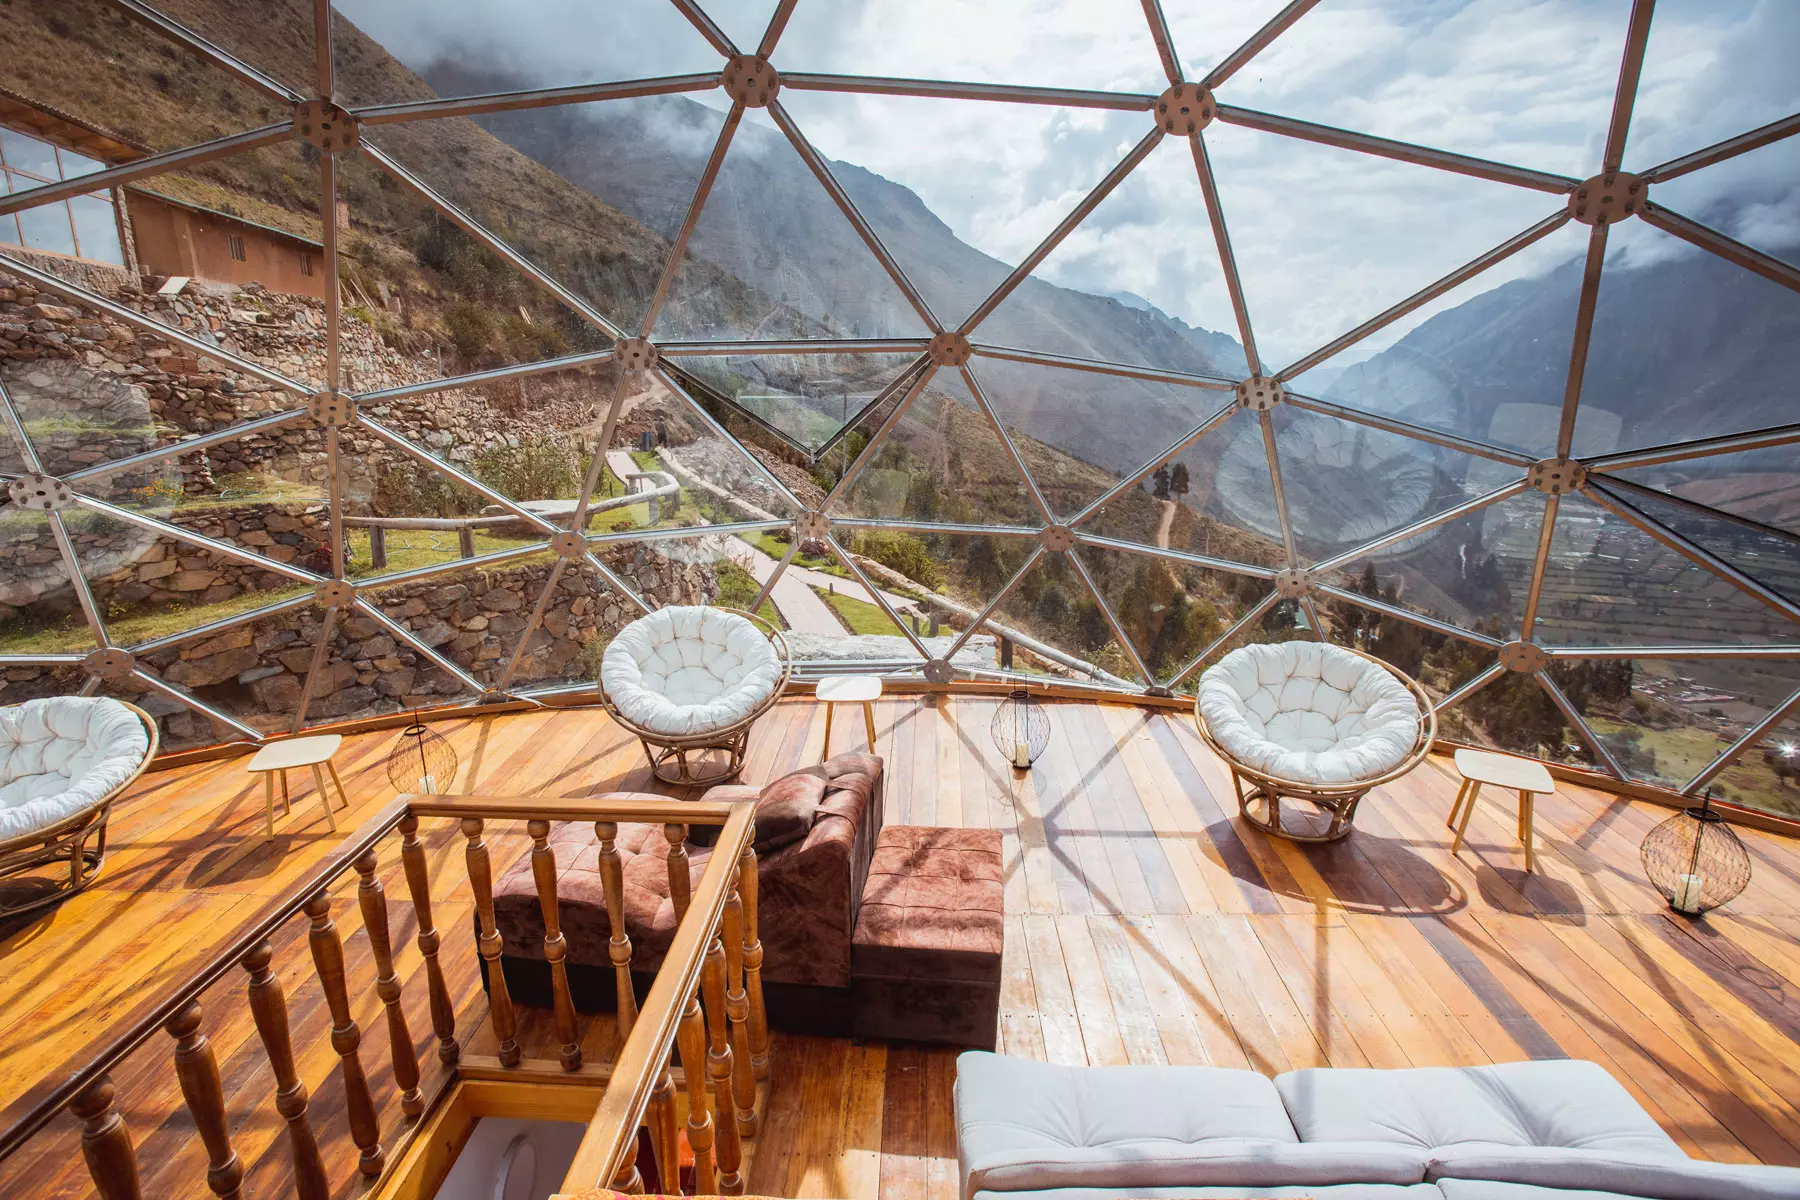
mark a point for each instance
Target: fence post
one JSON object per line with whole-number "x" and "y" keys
{"x": 465, "y": 541}
{"x": 377, "y": 547}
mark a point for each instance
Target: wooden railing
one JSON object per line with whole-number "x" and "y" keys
{"x": 706, "y": 999}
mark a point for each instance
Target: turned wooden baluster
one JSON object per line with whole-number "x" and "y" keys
{"x": 268, "y": 1005}
{"x": 718, "y": 1065}
{"x": 371, "y": 897}
{"x": 753, "y": 956}
{"x": 556, "y": 947}
{"x": 680, "y": 886}
{"x": 500, "y": 1006}
{"x": 737, "y": 1013}
{"x": 692, "y": 1038}
{"x": 618, "y": 948}
{"x": 418, "y": 884}
{"x": 665, "y": 1131}
{"x": 106, "y": 1143}
{"x": 626, "y": 1178}
{"x": 197, "y": 1069}
{"x": 346, "y": 1037}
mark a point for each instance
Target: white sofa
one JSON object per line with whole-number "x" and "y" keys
{"x": 1547, "y": 1130}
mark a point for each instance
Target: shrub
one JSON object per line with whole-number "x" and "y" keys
{"x": 900, "y": 552}
{"x": 540, "y": 467}
{"x": 523, "y": 341}
{"x": 470, "y": 328}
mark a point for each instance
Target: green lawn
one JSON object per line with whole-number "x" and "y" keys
{"x": 859, "y": 616}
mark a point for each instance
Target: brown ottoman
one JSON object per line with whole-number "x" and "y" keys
{"x": 925, "y": 961}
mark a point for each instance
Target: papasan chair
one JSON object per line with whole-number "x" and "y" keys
{"x": 1311, "y": 722}
{"x": 63, "y": 759}
{"x": 689, "y": 682}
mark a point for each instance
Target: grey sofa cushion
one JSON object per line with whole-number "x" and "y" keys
{"x": 1023, "y": 1125}
{"x": 1487, "y": 1189}
{"x": 1561, "y": 1102}
{"x": 1333, "y": 1191}
{"x": 1650, "y": 1177}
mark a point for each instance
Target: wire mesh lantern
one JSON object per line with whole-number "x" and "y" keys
{"x": 421, "y": 762}
{"x": 1021, "y": 729}
{"x": 1696, "y": 860}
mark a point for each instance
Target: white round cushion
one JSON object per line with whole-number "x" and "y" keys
{"x": 683, "y": 670}
{"x": 60, "y": 755}
{"x": 1309, "y": 712}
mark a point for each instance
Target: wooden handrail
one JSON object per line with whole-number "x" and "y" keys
{"x": 613, "y": 1131}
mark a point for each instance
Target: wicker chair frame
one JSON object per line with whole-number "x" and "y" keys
{"x": 67, "y": 840}
{"x": 669, "y": 754}
{"x": 1259, "y": 795}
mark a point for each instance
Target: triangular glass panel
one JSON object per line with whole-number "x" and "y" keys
{"x": 585, "y": 610}
{"x": 1322, "y": 243}
{"x": 1685, "y": 345}
{"x": 1748, "y": 198}
{"x": 1138, "y": 281}
{"x": 1439, "y": 662}
{"x": 1347, "y": 484}
{"x": 389, "y": 53}
{"x": 972, "y": 189}
{"x": 1516, "y": 715}
{"x": 1205, "y": 33}
{"x": 22, "y": 682}
{"x": 770, "y": 226}
{"x": 132, "y": 89}
{"x": 726, "y": 466}
{"x": 1608, "y": 583}
{"x": 1064, "y": 633}
{"x": 40, "y": 612}
{"x": 1073, "y": 45}
{"x": 1755, "y": 484}
{"x": 1472, "y": 572}
{"x": 1282, "y": 621}
{"x": 565, "y": 186}
{"x": 1081, "y": 432}
{"x": 1766, "y": 775}
{"x": 1213, "y": 499}
{"x": 1470, "y": 79}
{"x": 1487, "y": 361}
{"x": 1708, "y": 75}
{"x": 1170, "y": 610}
{"x": 943, "y": 464}
{"x": 1772, "y": 559}
{"x": 807, "y": 398}
{"x": 1666, "y": 719}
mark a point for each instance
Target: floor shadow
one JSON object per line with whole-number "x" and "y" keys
{"x": 1367, "y": 872}
{"x": 1550, "y": 899}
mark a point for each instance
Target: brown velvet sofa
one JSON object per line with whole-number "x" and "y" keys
{"x": 816, "y": 834}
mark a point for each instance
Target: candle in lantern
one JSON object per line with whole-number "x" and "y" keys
{"x": 1021, "y": 756}
{"x": 1687, "y": 892}
{"x": 428, "y": 785}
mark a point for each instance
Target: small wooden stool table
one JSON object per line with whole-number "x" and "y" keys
{"x": 849, "y": 689}
{"x": 278, "y": 758}
{"x": 1526, "y": 776}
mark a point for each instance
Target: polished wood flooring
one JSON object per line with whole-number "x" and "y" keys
{"x": 1145, "y": 924}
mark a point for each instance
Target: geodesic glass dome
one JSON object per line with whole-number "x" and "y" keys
{"x": 397, "y": 353}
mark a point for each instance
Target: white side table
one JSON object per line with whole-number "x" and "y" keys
{"x": 278, "y": 758}
{"x": 1526, "y": 776}
{"x": 849, "y": 689}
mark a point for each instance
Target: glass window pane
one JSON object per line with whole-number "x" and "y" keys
{"x": 47, "y": 227}
{"x": 25, "y": 153}
{"x": 74, "y": 164}
{"x": 96, "y": 229}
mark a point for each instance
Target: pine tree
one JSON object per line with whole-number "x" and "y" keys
{"x": 1161, "y": 482}
{"x": 1178, "y": 481}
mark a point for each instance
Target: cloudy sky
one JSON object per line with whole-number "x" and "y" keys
{"x": 1324, "y": 238}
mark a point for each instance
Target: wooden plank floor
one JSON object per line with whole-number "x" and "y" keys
{"x": 1144, "y": 924}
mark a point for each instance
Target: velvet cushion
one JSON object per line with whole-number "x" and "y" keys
{"x": 934, "y": 906}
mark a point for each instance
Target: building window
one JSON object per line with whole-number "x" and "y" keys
{"x": 237, "y": 246}
{"x": 83, "y": 227}
{"x": 305, "y": 263}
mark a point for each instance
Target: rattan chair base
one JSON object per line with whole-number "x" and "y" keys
{"x": 67, "y": 842}
{"x": 1271, "y": 820}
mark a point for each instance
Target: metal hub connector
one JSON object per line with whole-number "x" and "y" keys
{"x": 750, "y": 81}
{"x": 1056, "y": 538}
{"x": 1185, "y": 109}
{"x": 335, "y": 593}
{"x": 1293, "y": 582}
{"x": 568, "y": 544}
{"x": 1524, "y": 657}
{"x": 332, "y": 409}
{"x": 328, "y": 126}
{"x": 44, "y": 493}
{"x": 939, "y": 670}
{"x": 1607, "y": 198}
{"x": 635, "y": 354}
{"x": 1554, "y": 476}
{"x": 111, "y": 664}
{"x": 1259, "y": 393}
{"x": 949, "y": 349}
{"x": 811, "y": 526}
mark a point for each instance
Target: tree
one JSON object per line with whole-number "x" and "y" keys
{"x": 1161, "y": 481}
{"x": 1178, "y": 481}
